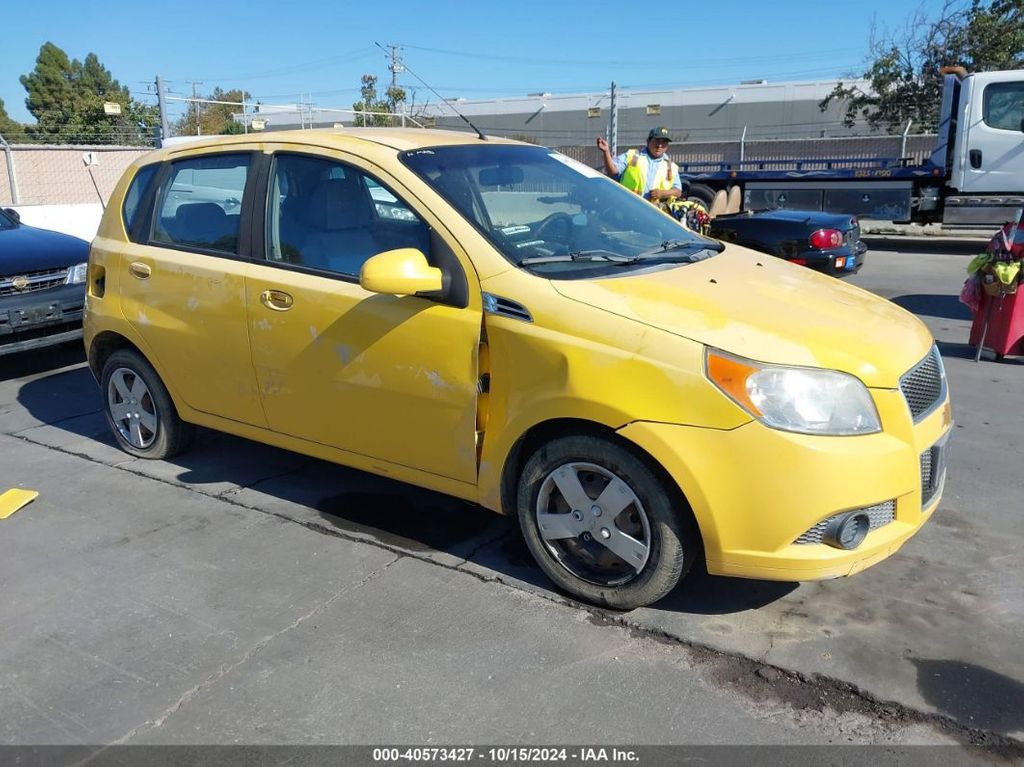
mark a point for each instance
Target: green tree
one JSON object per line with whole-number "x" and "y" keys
{"x": 904, "y": 82}
{"x": 393, "y": 101}
{"x": 213, "y": 119}
{"x": 9, "y": 129}
{"x": 67, "y": 98}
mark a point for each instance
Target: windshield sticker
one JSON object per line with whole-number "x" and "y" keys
{"x": 508, "y": 231}
{"x": 583, "y": 170}
{"x": 529, "y": 243}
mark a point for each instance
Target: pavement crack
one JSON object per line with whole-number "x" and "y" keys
{"x": 481, "y": 546}
{"x": 258, "y": 482}
{"x": 196, "y": 690}
{"x": 58, "y": 422}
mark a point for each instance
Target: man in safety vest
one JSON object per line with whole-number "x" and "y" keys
{"x": 649, "y": 172}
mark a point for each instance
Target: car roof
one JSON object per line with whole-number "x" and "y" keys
{"x": 401, "y": 139}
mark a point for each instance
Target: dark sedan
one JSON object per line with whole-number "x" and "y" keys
{"x": 826, "y": 242}
{"x": 42, "y": 285}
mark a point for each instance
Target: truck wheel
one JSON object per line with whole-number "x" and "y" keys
{"x": 601, "y": 524}
{"x": 703, "y": 193}
{"x": 139, "y": 409}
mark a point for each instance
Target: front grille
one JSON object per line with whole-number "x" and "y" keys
{"x": 880, "y": 514}
{"x": 43, "y": 280}
{"x": 924, "y": 385}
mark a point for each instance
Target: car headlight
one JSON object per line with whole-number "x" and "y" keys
{"x": 76, "y": 274}
{"x": 803, "y": 400}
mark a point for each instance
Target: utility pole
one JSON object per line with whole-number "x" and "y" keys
{"x": 161, "y": 100}
{"x": 613, "y": 125}
{"x": 195, "y": 103}
{"x": 395, "y": 66}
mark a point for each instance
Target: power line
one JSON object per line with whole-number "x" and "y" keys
{"x": 631, "y": 64}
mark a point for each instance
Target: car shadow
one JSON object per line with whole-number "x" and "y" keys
{"x": 970, "y": 693}
{"x": 934, "y": 305}
{"x": 330, "y": 498}
{"x": 22, "y": 364}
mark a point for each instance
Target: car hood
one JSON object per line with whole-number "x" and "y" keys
{"x": 766, "y": 309}
{"x": 27, "y": 249}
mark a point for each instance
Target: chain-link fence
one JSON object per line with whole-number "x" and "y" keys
{"x": 710, "y": 155}
{"x": 62, "y": 175}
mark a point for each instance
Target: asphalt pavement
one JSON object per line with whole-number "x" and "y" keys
{"x": 243, "y": 594}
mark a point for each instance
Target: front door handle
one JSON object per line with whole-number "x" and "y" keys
{"x": 140, "y": 270}
{"x": 277, "y": 300}
{"x": 975, "y": 157}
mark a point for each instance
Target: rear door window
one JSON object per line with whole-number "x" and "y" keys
{"x": 199, "y": 205}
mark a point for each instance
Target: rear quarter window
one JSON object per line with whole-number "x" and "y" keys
{"x": 132, "y": 200}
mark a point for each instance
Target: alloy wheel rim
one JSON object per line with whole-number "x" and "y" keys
{"x": 131, "y": 408}
{"x": 593, "y": 524}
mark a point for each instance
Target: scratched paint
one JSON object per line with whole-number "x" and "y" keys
{"x": 436, "y": 380}
{"x": 192, "y": 304}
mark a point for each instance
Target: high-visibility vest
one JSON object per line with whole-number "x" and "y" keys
{"x": 634, "y": 177}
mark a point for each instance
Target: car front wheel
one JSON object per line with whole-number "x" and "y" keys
{"x": 601, "y": 524}
{"x": 139, "y": 409}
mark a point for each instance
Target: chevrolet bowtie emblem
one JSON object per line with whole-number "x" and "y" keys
{"x": 19, "y": 283}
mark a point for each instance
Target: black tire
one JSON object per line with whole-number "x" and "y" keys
{"x": 702, "y": 192}
{"x": 583, "y": 565}
{"x": 153, "y": 428}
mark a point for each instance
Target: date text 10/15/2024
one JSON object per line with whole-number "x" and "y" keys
{"x": 504, "y": 754}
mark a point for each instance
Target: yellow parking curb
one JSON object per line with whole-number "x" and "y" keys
{"x": 15, "y": 499}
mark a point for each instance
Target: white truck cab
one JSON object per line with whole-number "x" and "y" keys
{"x": 989, "y": 154}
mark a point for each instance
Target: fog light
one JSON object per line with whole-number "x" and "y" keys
{"x": 847, "y": 531}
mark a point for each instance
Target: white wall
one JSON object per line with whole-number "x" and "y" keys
{"x": 79, "y": 220}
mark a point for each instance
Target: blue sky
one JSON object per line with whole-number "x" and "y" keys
{"x": 317, "y": 50}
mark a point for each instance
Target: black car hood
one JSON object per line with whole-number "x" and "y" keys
{"x": 813, "y": 217}
{"x": 27, "y": 249}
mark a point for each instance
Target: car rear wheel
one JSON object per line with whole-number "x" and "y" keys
{"x": 139, "y": 409}
{"x": 601, "y": 524}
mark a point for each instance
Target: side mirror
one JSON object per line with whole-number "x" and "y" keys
{"x": 13, "y": 214}
{"x": 401, "y": 272}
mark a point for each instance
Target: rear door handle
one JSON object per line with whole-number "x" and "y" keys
{"x": 277, "y": 300}
{"x": 140, "y": 270}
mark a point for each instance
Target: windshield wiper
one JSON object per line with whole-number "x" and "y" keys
{"x": 581, "y": 255}
{"x": 693, "y": 245}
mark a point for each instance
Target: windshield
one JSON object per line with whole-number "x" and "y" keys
{"x": 549, "y": 213}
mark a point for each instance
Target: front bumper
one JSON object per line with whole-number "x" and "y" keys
{"x": 755, "y": 490}
{"x": 44, "y": 318}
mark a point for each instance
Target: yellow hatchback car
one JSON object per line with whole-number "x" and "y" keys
{"x": 495, "y": 321}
